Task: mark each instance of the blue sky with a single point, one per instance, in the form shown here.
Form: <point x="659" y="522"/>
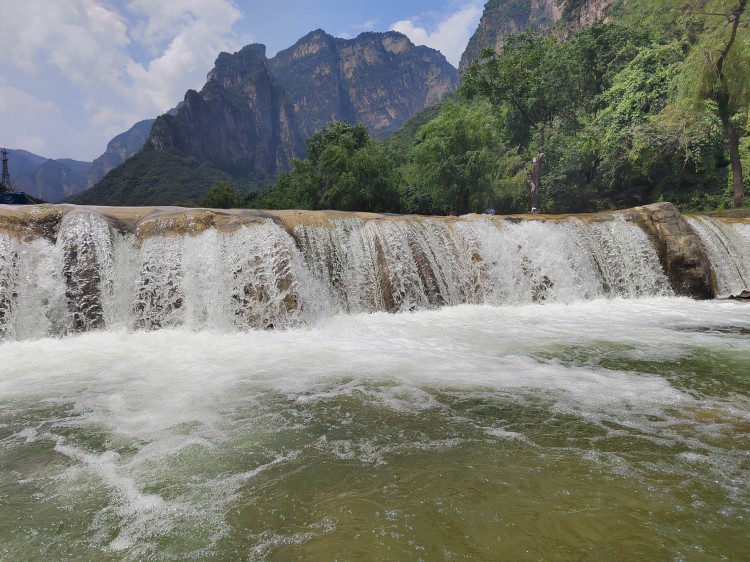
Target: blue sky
<point x="75" y="73"/>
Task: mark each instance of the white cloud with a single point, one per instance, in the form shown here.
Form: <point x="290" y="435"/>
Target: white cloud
<point x="358" y="28"/>
<point x="110" y="63"/>
<point x="369" y="25"/>
<point x="122" y="64"/>
<point x="451" y="34"/>
<point x="24" y="114"/>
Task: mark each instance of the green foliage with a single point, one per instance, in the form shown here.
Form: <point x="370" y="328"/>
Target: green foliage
<point x="154" y="177"/>
<point x="650" y="106"/>
<point x="611" y="111"/>
<point x="345" y="170"/>
<point x="460" y="164"/>
<point x="717" y="71"/>
<point x="534" y="80"/>
<point x="401" y="141"/>
<point x="222" y="196"/>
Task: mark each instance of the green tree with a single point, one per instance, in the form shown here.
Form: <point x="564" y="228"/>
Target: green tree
<point x="628" y="146"/>
<point x="222" y="196"/>
<point x="534" y="76"/>
<point x="345" y="169"/>
<point x="717" y="72"/>
<point x="460" y="163"/>
<point x="536" y="81"/>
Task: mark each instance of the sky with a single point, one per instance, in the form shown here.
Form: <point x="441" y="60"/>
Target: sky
<point x="75" y="73"/>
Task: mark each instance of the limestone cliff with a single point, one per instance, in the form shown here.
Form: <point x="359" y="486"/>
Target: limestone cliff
<point x="239" y="122"/>
<point x="506" y="17"/>
<point x="379" y="79"/>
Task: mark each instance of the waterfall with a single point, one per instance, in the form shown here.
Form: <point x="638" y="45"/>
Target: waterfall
<point x="265" y="274"/>
<point x="727" y="244"/>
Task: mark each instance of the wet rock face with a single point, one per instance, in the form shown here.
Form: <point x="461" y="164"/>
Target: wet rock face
<point x="8" y="266"/>
<point x="743" y="296"/>
<point x="680" y="250"/>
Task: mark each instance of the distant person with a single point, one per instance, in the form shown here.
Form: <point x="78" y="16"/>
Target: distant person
<point x="534" y="211"/>
<point x="490" y="211"/>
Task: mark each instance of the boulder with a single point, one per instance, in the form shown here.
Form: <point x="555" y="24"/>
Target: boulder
<point x="679" y="248"/>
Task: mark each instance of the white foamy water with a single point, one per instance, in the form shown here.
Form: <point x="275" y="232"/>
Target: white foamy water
<point x="728" y="247"/>
<point x="261" y="276"/>
<point x="177" y="444"/>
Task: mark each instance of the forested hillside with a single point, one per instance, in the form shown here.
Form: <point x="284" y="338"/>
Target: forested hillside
<point x="651" y="105"/>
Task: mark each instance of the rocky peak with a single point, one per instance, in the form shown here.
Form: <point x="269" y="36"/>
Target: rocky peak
<point x="506" y="17"/>
<point x="251" y="117"/>
<point x="238" y="121"/>
<point x="379" y="79"/>
<point x="311" y="44"/>
<point x="240" y="67"/>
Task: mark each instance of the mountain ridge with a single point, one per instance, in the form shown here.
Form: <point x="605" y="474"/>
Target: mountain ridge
<point x="252" y="115"/>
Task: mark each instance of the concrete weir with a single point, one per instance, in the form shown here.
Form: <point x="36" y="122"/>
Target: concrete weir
<point x="66" y="268"/>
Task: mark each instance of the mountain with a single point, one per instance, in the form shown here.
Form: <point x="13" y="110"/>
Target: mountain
<point x="252" y="115"/>
<point x="55" y="180"/>
<point x="500" y="19"/>
<point x="378" y="79"/>
<point x="238" y="128"/>
<point x="119" y="149"/>
<point x="239" y="122"/>
<point x="506" y="17"/>
<point x="162" y="177"/>
<point x="44" y="178"/>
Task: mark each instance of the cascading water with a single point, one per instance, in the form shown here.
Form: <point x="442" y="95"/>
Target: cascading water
<point x="260" y="276"/>
<point x="728" y="246"/>
<point x="170" y="425"/>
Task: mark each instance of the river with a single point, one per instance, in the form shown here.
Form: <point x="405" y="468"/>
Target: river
<point x="601" y="429"/>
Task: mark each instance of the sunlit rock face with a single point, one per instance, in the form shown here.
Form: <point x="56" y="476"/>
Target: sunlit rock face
<point x="378" y="79"/>
<point x="71" y="268"/>
<point x="502" y="18"/>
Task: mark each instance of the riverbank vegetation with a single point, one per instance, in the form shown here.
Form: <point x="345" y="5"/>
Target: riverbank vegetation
<point x="649" y="106"/>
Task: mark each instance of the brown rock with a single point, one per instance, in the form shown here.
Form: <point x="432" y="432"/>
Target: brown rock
<point x="680" y="250"/>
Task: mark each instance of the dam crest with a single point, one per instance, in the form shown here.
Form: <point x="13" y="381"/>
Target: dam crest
<point x="67" y="269"/>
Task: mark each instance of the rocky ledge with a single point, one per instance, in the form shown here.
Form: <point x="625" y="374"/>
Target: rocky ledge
<point x="742" y="296"/>
<point x="678" y="247"/>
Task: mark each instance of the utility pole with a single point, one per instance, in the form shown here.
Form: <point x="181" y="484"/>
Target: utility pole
<point x="5" y="186"/>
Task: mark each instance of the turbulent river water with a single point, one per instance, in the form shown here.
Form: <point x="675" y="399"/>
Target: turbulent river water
<point x="468" y="389"/>
<point x="600" y="430"/>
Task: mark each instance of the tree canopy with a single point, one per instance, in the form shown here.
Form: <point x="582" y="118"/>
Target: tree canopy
<point x="345" y="169"/>
<point x="650" y="106"/>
